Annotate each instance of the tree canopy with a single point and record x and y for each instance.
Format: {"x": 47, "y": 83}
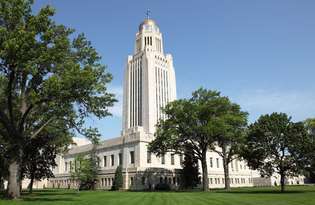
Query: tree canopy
{"x": 276, "y": 145}
{"x": 48, "y": 77}
{"x": 199, "y": 122}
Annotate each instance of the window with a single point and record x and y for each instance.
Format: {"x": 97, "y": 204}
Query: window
{"x": 218, "y": 165}
{"x": 132, "y": 157}
{"x": 131, "y": 180}
{"x": 211, "y": 162}
{"x": 120, "y": 158}
{"x": 163, "y": 159}
{"x": 70, "y": 165}
{"x": 181, "y": 159}
{"x": 172, "y": 159}
{"x": 105, "y": 161}
{"x": 112, "y": 159}
{"x": 66, "y": 166}
{"x": 148, "y": 157}
{"x": 210, "y": 180}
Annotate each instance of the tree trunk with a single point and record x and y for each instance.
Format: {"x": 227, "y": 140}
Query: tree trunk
{"x": 30, "y": 186}
{"x": 13, "y": 191}
{"x": 205, "y": 180}
{"x": 282, "y": 181}
{"x": 226, "y": 174}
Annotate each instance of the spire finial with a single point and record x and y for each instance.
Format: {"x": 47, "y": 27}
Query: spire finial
{"x": 148, "y": 13}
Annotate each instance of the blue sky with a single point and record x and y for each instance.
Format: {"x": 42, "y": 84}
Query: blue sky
{"x": 259, "y": 53}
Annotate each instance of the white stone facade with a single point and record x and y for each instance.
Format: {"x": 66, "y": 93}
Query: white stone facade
{"x": 149, "y": 84}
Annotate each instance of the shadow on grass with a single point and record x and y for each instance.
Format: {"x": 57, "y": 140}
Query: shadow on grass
{"x": 47, "y": 199}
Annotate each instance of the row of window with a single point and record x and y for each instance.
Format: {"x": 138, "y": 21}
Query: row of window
{"x": 161, "y": 92}
{"x": 231, "y": 164}
{"x": 232, "y": 180}
{"x": 149, "y": 158}
{"x": 135, "y": 86}
{"x": 107, "y": 182}
{"x": 107, "y": 161}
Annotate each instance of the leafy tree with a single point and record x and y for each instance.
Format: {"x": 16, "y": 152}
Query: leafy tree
{"x": 195, "y": 122}
{"x": 310, "y": 169}
{"x": 83, "y": 172}
{"x": 40, "y": 153}
{"x": 229, "y": 140}
{"x": 85, "y": 168}
{"x": 275, "y": 144}
{"x": 118, "y": 180}
{"x": 47, "y": 75}
{"x": 190, "y": 172}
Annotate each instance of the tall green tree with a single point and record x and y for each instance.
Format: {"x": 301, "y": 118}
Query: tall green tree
{"x": 118, "y": 180}
{"x": 85, "y": 167}
{"x": 40, "y": 154}
{"x": 275, "y": 145}
{"x": 230, "y": 138}
{"x": 310, "y": 169}
{"x": 190, "y": 172}
{"x": 195, "y": 122}
{"x": 47, "y": 74}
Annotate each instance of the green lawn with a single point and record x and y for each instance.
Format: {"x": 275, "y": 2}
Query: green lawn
{"x": 257, "y": 196}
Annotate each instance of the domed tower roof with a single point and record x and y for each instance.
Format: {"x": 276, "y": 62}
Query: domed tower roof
{"x": 148, "y": 25}
{"x": 147, "y": 22}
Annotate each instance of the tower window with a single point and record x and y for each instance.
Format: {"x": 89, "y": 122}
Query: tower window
{"x": 132, "y": 157}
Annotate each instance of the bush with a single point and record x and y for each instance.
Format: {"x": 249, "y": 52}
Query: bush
{"x": 118, "y": 180}
{"x": 162, "y": 187}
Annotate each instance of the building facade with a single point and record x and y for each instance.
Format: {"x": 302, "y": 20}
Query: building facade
{"x": 149, "y": 84}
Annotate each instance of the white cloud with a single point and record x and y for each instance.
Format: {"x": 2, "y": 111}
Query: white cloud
{"x": 116, "y": 110}
{"x": 298, "y": 104}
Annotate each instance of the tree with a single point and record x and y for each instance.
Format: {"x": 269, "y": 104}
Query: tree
{"x": 47, "y": 75}
{"x": 310, "y": 169}
{"x": 83, "y": 173}
{"x": 231, "y": 135}
{"x": 85, "y": 168}
{"x": 195, "y": 122}
{"x": 190, "y": 172}
{"x": 40, "y": 153}
{"x": 118, "y": 180}
{"x": 275, "y": 144}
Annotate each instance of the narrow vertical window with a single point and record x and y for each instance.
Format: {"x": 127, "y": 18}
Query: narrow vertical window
{"x": 181, "y": 159}
{"x": 218, "y": 165}
{"x": 120, "y": 159}
{"x": 105, "y": 161}
{"x": 163, "y": 159}
{"x": 148, "y": 157}
{"x": 172, "y": 159}
{"x": 211, "y": 162}
{"x": 132, "y": 157}
{"x": 112, "y": 159}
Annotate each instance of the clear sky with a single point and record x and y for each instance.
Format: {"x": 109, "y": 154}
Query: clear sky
{"x": 259, "y": 53}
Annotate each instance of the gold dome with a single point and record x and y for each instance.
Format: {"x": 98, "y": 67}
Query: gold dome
{"x": 149, "y": 22}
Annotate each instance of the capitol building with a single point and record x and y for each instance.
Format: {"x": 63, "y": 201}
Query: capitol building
{"x": 149, "y": 84}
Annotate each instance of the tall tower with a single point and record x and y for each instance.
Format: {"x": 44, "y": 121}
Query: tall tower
{"x": 149, "y": 81}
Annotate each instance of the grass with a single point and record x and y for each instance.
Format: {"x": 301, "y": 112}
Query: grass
{"x": 298, "y": 195}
